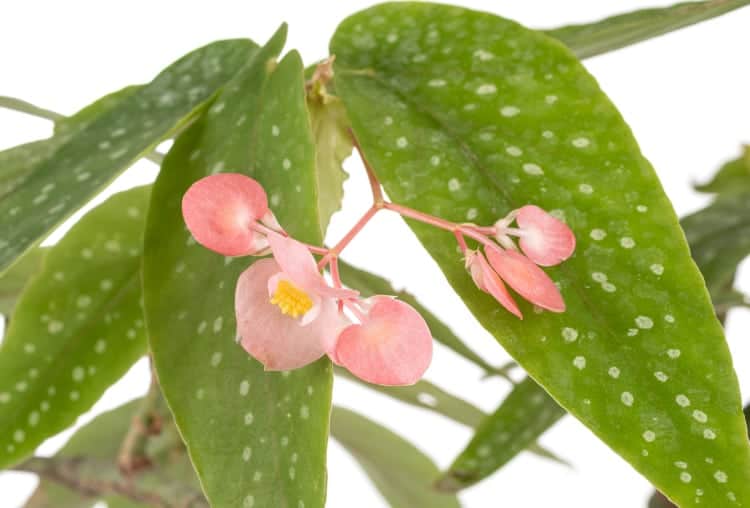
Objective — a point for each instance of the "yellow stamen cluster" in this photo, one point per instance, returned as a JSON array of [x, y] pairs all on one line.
[[292, 300]]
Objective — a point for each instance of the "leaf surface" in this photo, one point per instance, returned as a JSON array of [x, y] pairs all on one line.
[[468, 116], [257, 439]]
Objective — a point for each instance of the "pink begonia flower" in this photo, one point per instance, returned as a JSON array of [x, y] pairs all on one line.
[[526, 278], [392, 346], [546, 240], [287, 315], [219, 211], [488, 281]]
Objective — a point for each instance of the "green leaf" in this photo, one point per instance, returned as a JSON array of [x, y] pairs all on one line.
[[76, 328], [732, 177], [333, 144], [719, 237], [14, 280], [616, 32], [370, 284], [19, 162], [256, 438], [95, 155], [399, 470], [522, 417], [468, 116]]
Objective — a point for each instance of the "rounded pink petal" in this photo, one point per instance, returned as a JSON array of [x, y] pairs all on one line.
[[392, 347], [526, 278], [547, 241], [220, 209], [276, 340], [299, 265], [488, 281]]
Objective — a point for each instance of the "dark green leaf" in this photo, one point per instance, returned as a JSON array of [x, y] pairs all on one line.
[[256, 438], [370, 284], [616, 32], [400, 471], [76, 328], [524, 416], [92, 157], [467, 116], [733, 177]]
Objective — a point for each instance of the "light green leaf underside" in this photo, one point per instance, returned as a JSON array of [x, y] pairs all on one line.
[[95, 155], [77, 326], [401, 472], [719, 237], [260, 439], [370, 284], [522, 417], [467, 116], [333, 144], [732, 177], [591, 39]]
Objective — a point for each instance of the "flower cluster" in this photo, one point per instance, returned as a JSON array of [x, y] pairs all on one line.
[[289, 315]]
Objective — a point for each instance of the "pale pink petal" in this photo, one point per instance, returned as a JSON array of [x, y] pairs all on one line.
[[393, 346], [278, 341], [219, 211], [488, 281], [526, 278], [299, 265], [547, 241]]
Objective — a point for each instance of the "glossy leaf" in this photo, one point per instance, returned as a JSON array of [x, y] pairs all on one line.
[[370, 284], [733, 177], [719, 237], [92, 157], [467, 116], [591, 39], [76, 328], [400, 471], [260, 439], [522, 417]]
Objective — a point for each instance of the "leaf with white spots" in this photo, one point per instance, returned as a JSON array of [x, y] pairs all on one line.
[[616, 32], [14, 280], [369, 284], [400, 471], [76, 328], [635, 299], [522, 417], [93, 156], [257, 439]]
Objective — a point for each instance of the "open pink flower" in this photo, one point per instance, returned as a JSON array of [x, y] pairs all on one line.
[[287, 315], [220, 210], [391, 346]]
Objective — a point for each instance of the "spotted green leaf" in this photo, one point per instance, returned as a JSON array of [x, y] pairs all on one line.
[[370, 284], [522, 417], [616, 32], [467, 116], [719, 237], [732, 177], [256, 438], [14, 280], [95, 155], [76, 328], [399, 470]]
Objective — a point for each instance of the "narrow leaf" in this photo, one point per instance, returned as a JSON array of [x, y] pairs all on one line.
[[256, 438], [616, 32], [370, 284], [76, 328], [508, 117], [400, 471], [519, 421], [94, 156]]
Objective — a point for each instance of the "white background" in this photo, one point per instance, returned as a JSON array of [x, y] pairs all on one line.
[[685, 95]]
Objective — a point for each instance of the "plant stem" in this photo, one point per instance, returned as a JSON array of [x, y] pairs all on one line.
[[341, 245], [377, 191]]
